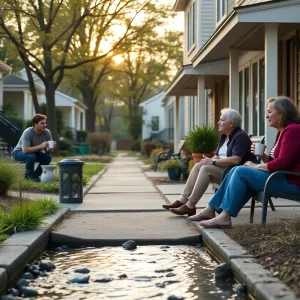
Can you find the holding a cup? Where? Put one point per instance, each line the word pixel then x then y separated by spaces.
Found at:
pixel 259 149
pixel 51 144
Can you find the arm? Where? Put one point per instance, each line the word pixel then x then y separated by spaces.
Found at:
pixel 27 150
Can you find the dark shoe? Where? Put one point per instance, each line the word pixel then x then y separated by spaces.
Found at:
pixel 37 179
pixel 183 210
pixel 172 205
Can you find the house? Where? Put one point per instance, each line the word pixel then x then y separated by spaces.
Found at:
pixel 237 53
pixel 17 89
pixel 4 68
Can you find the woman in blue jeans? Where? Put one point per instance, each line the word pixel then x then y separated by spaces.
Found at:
pixel 243 181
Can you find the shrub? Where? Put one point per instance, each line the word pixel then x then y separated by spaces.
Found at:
pixel 81 135
pixel 8 175
pixel 65 153
pixel 148 147
pixel 23 217
pixel 136 146
pixel 99 141
pixel 65 144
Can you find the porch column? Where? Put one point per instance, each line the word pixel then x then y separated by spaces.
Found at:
pixel 176 123
pixel 83 120
pixel 25 107
pixel 201 101
pixel 271 74
pixel 72 117
pixel 1 93
pixel 234 79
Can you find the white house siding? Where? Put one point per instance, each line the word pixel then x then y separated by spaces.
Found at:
pixel 205 21
pixel 249 2
pixel 186 113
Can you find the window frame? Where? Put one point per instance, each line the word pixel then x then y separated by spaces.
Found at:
pixel 220 18
pixel 191 26
pixel 152 122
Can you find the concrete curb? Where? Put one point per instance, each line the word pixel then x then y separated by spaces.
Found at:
pixel 23 247
pixel 59 239
pixel 260 284
pixel 93 180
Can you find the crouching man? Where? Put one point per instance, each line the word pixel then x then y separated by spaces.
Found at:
pixel 35 145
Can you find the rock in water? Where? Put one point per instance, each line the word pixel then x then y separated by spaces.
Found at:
pixel 129 245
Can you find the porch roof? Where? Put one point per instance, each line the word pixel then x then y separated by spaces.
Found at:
pixel 244 29
pixel 4 67
pixel 14 83
pixel 186 80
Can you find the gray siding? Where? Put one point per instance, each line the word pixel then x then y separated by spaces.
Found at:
pixel 249 2
pixel 206 21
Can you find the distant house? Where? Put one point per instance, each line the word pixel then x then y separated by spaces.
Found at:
pixel 4 68
pixel 153 115
pixel 237 53
pixel 17 89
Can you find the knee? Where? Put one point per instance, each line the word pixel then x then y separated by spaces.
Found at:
pixel 30 157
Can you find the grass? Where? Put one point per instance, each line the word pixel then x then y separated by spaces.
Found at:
pixel 88 171
pixel 86 158
pixel 28 215
pixel 275 246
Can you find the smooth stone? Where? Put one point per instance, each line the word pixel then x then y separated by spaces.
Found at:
pixel 240 288
pixel 64 247
pixel 8 297
pixel 164 247
pixel 82 271
pixel 28 275
pixel 14 292
pixel 103 279
pixel 46 265
pixel 163 271
pixel 21 283
pixel 43 274
pixel 142 278
pixel 81 279
pixel 29 293
pixel 59 249
pixel 222 271
pixel 170 275
pixel 174 298
pixel 129 245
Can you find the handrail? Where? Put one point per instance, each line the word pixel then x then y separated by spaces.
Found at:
pixel 9 132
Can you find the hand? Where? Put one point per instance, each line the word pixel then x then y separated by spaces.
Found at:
pixel 252 149
pixel 251 164
pixel 205 161
pixel 44 145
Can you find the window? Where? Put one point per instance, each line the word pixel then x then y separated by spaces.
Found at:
pixel 171 118
pixel 155 123
pixel 192 106
pixel 221 9
pixel 181 118
pixel 191 24
pixel 252 100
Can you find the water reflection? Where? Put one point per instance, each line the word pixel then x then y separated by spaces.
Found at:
pixel 145 273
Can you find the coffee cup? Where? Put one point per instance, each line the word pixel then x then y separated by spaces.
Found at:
pixel 50 144
pixel 259 149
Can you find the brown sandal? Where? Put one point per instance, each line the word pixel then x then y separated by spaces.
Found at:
pixel 212 223
pixel 200 217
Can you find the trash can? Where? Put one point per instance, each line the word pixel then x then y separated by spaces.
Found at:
pixel 83 149
pixel 70 181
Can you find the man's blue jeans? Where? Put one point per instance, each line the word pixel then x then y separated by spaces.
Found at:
pixel 239 186
pixel 30 159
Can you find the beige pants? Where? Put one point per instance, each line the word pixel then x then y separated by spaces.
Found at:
pixel 198 182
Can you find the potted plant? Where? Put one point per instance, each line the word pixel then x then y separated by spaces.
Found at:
pixel 174 168
pixel 202 140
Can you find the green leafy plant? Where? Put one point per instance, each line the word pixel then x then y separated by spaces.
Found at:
pixel 202 139
pixel 172 164
pixel 7 175
pixel 47 206
pixel 23 217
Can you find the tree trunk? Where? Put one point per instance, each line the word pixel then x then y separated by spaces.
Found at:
pixel 89 101
pixel 51 110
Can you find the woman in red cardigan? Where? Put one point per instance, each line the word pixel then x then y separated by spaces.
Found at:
pixel 243 181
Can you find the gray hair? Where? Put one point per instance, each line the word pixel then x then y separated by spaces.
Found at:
pixel 232 115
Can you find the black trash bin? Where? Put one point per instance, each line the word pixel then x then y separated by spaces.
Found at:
pixel 70 181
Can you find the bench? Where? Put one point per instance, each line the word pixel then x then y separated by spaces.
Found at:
pixel 265 196
pixel 164 156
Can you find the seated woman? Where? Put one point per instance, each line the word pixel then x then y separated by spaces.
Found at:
pixel 241 182
pixel 233 150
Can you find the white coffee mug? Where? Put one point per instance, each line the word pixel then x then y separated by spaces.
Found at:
pixel 259 149
pixel 50 144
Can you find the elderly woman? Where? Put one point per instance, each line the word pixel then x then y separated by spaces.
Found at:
pixel 233 150
pixel 241 182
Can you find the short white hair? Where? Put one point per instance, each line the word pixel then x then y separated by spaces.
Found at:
pixel 232 115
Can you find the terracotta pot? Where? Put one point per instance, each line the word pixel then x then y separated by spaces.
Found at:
pixel 198 156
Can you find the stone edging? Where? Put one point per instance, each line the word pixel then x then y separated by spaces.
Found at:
pixel 93 180
pixel 23 247
pixel 260 284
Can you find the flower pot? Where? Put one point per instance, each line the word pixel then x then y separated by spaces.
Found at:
pixel 198 156
pixel 174 173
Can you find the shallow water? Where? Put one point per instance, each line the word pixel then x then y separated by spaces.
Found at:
pixel 135 274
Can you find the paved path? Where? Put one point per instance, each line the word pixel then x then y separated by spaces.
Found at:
pixel 124 204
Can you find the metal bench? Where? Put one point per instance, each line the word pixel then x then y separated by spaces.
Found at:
pixel 265 196
pixel 164 156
